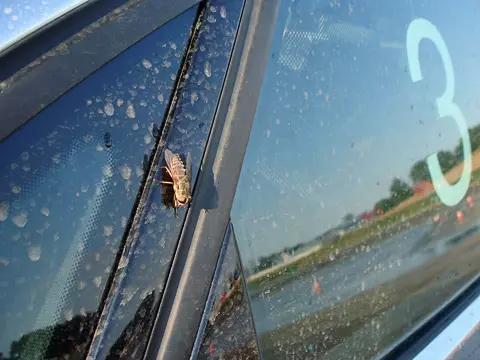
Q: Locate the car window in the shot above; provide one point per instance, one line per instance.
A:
(70, 178)
(227, 304)
(129, 322)
(356, 209)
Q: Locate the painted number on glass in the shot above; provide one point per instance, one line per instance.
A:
(418, 30)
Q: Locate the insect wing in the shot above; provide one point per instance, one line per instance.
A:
(169, 156)
(188, 167)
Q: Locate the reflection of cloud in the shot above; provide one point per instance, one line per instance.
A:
(362, 146)
(392, 45)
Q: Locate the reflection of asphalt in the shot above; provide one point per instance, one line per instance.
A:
(366, 269)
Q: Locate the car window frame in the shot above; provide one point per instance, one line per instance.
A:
(186, 291)
(30, 63)
(155, 20)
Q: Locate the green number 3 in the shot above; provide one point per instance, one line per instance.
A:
(418, 30)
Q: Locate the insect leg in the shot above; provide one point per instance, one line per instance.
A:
(168, 170)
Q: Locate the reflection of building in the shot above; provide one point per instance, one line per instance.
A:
(423, 188)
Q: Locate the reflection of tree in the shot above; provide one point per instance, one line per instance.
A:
(399, 192)
(419, 172)
(132, 341)
(447, 159)
(69, 340)
(348, 218)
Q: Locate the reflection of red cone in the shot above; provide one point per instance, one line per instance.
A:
(459, 215)
(436, 218)
(470, 201)
(210, 348)
(223, 297)
(316, 287)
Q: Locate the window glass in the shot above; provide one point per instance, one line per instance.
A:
(227, 304)
(69, 180)
(356, 209)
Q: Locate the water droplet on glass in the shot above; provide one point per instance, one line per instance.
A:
(331, 256)
(3, 211)
(45, 211)
(107, 230)
(125, 171)
(16, 189)
(107, 171)
(124, 221)
(56, 158)
(68, 315)
(146, 64)
(193, 97)
(130, 111)
(97, 281)
(108, 109)
(147, 139)
(81, 285)
(207, 69)
(20, 219)
(24, 156)
(211, 19)
(135, 127)
(160, 98)
(119, 102)
(34, 253)
(223, 12)
(143, 103)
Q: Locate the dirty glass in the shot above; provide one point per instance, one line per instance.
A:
(69, 180)
(227, 330)
(138, 285)
(356, 209)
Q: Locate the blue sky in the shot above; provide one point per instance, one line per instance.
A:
(341, 131)
(18, 16)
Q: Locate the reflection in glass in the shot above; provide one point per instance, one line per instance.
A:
(70, 178)
(152, 241)
(229, 331)
(346, 244)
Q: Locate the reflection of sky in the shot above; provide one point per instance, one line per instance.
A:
(73, 195)
(18, 17)
(339, 132)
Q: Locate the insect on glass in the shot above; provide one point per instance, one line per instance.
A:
(180, 174)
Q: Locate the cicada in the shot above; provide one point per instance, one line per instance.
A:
(181, 176)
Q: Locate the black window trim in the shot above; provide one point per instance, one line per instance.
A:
(25, 68)
(194, 264)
